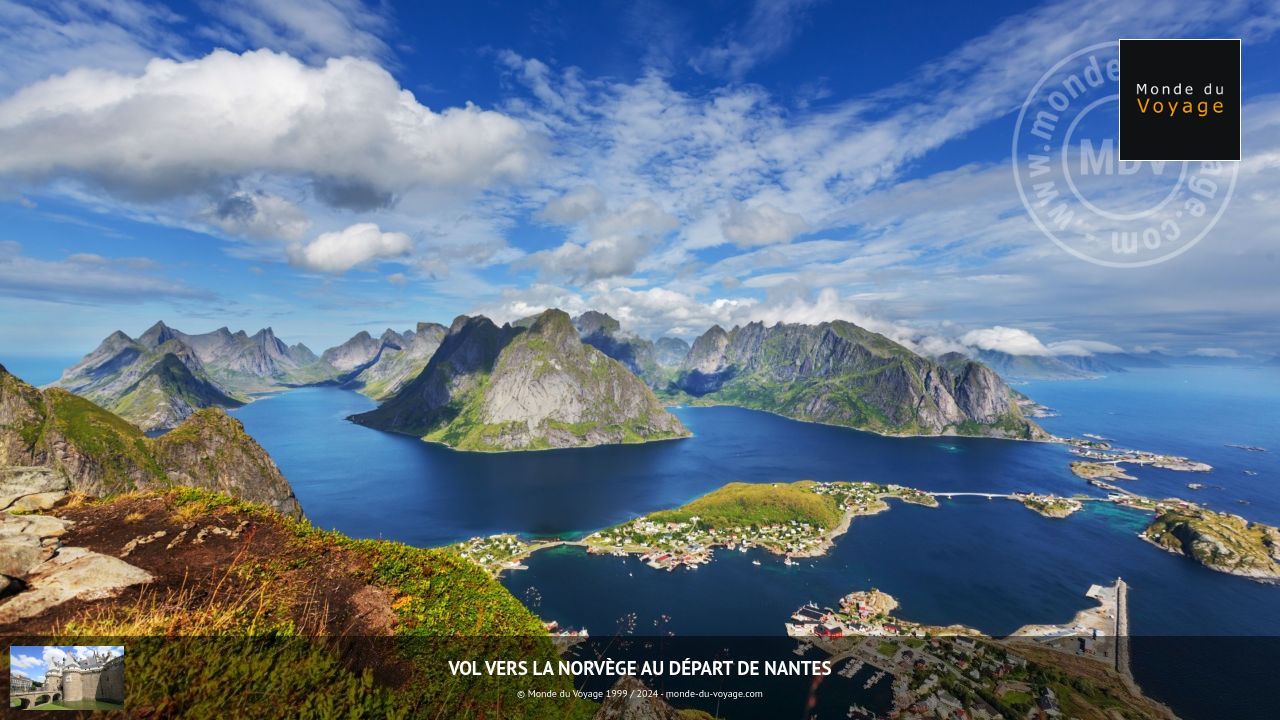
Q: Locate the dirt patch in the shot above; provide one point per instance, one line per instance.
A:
(223, 552)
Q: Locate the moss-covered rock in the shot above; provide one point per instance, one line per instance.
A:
(524, 388)
(1219, 541)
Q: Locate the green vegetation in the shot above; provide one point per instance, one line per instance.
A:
(757, 504)
(1220, 541)
(837, 373)
(119, 448)
(288, 658)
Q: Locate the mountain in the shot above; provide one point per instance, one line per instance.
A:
(1036, 367)
(88, 449)
(379, 368)
(165, 375)
(652, 362)
(356, 352)
(670, 351)
(247, 364)
(841, 374)
(518, 388)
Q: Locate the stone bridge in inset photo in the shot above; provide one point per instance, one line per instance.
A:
(28, 698)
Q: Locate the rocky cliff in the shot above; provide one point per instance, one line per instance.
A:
(647, 360)
(517, 388)
(379, 368)
(61, 442)
(839, 373)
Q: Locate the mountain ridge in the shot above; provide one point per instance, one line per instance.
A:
(523, 388)
(841, 374)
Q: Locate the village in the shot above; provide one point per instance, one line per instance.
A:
(952, 672)
(691, 543)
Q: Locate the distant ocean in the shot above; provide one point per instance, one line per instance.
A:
(37, 370)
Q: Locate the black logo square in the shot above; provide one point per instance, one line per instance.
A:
(1180, 100)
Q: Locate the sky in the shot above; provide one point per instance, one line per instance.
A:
(33, 661)
(333, 166)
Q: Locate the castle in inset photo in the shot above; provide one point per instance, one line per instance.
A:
(66, 677)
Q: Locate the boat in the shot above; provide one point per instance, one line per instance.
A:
(755, 562)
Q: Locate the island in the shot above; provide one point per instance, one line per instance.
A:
(799, 519)
(1094, 470)
(1050, 506)
(1219, 541)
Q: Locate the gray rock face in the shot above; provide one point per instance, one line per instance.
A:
(509, 388)
(634, 702)
(70, 574)
(670, 352)
(211, 450)
(358, 351)
(379, 368)
(605, 334)
(839, 373)
(31, 488)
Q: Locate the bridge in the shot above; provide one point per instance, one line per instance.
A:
(989, 496)
(28, 698)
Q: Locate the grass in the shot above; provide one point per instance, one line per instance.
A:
(79, 705)
(756, 504)
(265, 613)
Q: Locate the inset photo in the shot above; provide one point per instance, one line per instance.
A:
(66, 677)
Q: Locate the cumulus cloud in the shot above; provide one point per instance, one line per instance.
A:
(762, 224)
(258, 215)
(184, 127)
(26, 662)
(607, 244)
(1005, 339)
(574, 206)
(342, 250)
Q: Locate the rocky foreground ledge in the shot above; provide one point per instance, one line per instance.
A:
(187, 575)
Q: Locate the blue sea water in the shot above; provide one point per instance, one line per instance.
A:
(993, 565)
(38, 370)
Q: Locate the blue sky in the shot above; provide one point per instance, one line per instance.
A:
(34, 661)
(330, 166)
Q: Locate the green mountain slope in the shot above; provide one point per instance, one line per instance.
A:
(841, 374)
(98, 453)
(516, 388)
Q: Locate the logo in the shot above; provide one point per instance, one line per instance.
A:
(1078, 191)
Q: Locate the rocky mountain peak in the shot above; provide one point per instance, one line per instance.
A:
(592, 322)
(157, 335)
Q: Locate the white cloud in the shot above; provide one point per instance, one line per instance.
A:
(606, 244)
(25, 662)
(1216, 352)
(1082, 348)
(85, 278)
(574, 206)
(186, 127)
(311, 29)
(762, 224)
(1005, 339)
(258, 215)
(340, 251)
(770, 28)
